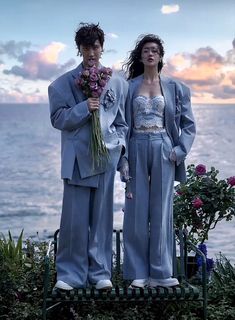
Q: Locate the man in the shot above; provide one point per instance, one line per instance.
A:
(85, 239)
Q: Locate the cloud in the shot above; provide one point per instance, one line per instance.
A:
(168, 9)
(16, 95)
(232, 78)
(224, 92)
(13, 49)
(110, 51)
(41, 65)
(112, 35)
(117, 65)
(230, 56)
(208, 73)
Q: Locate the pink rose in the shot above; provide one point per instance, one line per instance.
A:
(86, 73)
(179, 193)
(94, 70)
(102, 82)
(197, 203)
(109, 71)
(231, 181)
(95, 94)
(200, 170)
(93, 86)
(99, 91)
(104, 77)
(93, 77)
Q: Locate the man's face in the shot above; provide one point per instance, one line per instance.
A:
(91, 54)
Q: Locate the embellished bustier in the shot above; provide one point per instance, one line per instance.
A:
(148, 114)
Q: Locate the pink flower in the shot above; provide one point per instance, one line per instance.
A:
(179, 193)
(197, 203)
(93, 86)
(85, 73)
(102, 82)
(95, 94)
(200, 170)
(99, 91)
(93, 77)
(93, 80)
(106, 71)
(109, 71)
(231, 181)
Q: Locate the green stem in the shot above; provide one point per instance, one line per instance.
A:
(98, 148)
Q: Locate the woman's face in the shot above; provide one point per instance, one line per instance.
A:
(150, 54)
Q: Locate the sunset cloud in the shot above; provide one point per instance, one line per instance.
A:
(41, 65)
(208, 73)
(51, 52)
(168, 9)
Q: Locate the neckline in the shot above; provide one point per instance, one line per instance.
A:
(150, 98)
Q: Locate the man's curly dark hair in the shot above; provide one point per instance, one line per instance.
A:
(87, 34)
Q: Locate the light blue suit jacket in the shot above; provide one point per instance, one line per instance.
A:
(69, 113)
(179, 120)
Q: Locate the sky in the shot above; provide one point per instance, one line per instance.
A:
(37, 42)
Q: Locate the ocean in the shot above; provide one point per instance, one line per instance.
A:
(31, 189)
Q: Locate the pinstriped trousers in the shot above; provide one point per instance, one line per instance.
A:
(148, 216)
(86, 229)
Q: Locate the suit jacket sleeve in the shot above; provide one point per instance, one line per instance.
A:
(187, 126)
(64, 116)
(128, 118)
(120, 121)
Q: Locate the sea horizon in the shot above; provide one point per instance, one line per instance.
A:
(31, 188)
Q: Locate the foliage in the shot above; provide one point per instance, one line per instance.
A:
(202, 201)
(209, 265)
(222, 291)
(21, 278)
(22, 291)
(11, 252)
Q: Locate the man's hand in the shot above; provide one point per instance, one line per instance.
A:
(93, 104)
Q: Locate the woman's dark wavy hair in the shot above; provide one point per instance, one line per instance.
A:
(134, 67)
(87, 34)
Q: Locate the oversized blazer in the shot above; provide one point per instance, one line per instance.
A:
(179, 120)
(69, 113)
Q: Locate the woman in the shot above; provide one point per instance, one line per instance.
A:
(162, 130)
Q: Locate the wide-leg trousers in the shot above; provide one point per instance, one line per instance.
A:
(86, 228)
(148, 216)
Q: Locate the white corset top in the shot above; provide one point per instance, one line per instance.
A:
(149, 113)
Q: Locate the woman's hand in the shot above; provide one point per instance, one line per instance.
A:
(124, 170)
(173, 156)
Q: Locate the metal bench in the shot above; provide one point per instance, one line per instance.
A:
(122, 293)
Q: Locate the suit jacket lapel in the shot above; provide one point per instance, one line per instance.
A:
(168, 90)
(78, 94)
(133, 88)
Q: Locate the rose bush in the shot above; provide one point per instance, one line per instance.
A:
(202, 201)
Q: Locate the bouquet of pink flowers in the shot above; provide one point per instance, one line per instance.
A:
(92, 82)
